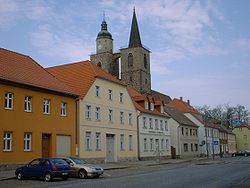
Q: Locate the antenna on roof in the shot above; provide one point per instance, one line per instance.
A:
(104, 15)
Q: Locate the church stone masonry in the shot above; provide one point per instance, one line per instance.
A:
(135, 60)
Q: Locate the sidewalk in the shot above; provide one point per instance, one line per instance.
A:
(8, 172)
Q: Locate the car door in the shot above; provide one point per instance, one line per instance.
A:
(33, 168)
(44, 167)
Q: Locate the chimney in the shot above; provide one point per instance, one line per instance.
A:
(188, 101)
(181, 98)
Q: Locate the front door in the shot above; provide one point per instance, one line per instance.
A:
(110, 154)
(45, 145)
(173, 153)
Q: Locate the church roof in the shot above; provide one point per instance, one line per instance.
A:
(81, 75)
(104, 31)
(134, 40)
(22, 69)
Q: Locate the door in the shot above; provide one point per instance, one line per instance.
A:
(63, 146)
(173, 153)
(45, 145)
(110, 154)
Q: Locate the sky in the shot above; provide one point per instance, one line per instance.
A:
(200, 50)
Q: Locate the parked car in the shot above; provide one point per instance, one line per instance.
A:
(47, 168)
(241, 153)
(81, 169)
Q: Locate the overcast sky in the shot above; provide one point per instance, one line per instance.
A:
(200, 49)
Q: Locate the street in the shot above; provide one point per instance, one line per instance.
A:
(230, 172)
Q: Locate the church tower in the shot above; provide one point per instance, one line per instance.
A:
(135, 61)
(104, 50)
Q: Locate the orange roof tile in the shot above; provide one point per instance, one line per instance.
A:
(183, 106)
(81, 75)
(160, 96)
(22, 69)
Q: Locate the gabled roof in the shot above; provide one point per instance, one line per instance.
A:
(244, 125)
(135, 95)
(178, 116)
(22, 69)
(81, 75)
(160, 96)
(183, 106)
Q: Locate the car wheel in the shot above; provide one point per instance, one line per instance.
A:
(234, 155)
(65, 177)
(48, 177)
(82, 174)
(19, 175)
(245, 155)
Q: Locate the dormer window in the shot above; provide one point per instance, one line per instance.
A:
(146, 105)
(162, 109)
(152, 106)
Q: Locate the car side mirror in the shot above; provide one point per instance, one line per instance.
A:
(71, 164)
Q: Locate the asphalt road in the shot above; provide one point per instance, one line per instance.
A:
(233, 172)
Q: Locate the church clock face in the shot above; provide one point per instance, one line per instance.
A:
(99, 46)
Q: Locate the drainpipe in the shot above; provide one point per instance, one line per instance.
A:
(138, 137)
(77, 127)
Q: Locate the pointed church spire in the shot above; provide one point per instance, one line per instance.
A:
(134, 40)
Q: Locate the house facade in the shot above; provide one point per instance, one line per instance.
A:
(107, 121)
(242, 134)
(231, 142)
(38, 112)
(153, 128)
(212, 145)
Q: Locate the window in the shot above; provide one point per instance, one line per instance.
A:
(161, 125)
(122, 142)
(167, 144)
(186, 131)
(182, 131)
(121, 117)
(130, 119)
(97, 91)
(121, 97)
(131, 78)
(150, 123)
(99, 64)
(110, 94)
(162, 144)
(192, 149)
(190, 132)
(63, 109)
(8, 101)
(88, 141)
(27, 141)
(110, 115)
(196, 132)
(145, 144)
(145, 61)
(156, 124)
(196, 147)
(27, 104)
(97, 113)
(7, 139)
(144, 123)
(245, 137)
(162, 109)
(46, 106)
(152, 106)
(151, 144)
(98, 141)
(186, 147)
(146, 105)
(130, 60)
(166, 126)
(88, 112)
(130, 142)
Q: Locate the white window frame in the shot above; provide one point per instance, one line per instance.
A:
(87, 141)
(144, 122)
(97, 91)
(166, 125)
(111, 115)
(27, 141)
(167, 144)
(28, 104)
(8, 100)
(162, 109)
(130, 118)
(121, 117)
(7, 139)
(145, 144)
(161, 125)
(121, 98)
(46, 106)
(97, 113)
(152, 107)
(98, 141)
(110, 94)
(162, 144)
(156, 124)
(88, 112)
(63, 109)
(130, 142)
(146, 105)
(150, 123)
(122, 148)
(151, 144)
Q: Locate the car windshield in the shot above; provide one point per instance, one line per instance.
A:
(58, 162)
(79, 161)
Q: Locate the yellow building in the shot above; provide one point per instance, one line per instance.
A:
(107, 116)
(242, 134)
(37, 113)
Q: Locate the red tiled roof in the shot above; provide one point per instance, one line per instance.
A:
(160, 96)
(81, 75)
(22, 69)
(135, 95)
(183, 106)
(244, 125)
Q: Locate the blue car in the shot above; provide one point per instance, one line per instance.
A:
(47, 168)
